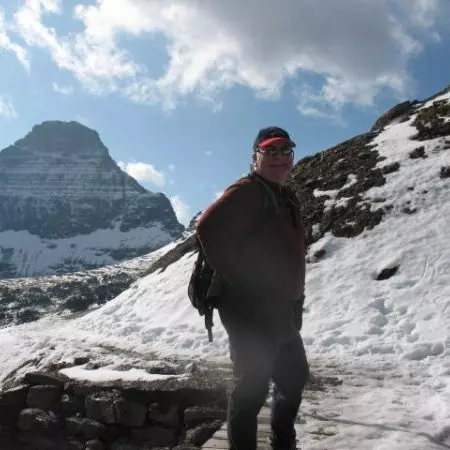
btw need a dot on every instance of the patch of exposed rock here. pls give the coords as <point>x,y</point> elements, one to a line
<point>28,299</point>
<point>330,187</point>
<point>400,112</point>
<point>433,122</point>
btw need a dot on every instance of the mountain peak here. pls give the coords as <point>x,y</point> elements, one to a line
<point>63,194</point>
<point>63,138</point>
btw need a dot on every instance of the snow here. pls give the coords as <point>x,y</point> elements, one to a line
<point>33,255</point>
<point>388,340</point>
<point>440,98</point>
<point>79,373</point>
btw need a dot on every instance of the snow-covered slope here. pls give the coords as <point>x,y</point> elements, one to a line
<point>66,205</point>
<point>378,301</point>
<point>31,298</point>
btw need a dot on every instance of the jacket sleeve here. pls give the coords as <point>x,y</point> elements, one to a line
<point>222,229</point>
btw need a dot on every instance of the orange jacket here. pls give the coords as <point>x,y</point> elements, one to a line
<point>260,256</point>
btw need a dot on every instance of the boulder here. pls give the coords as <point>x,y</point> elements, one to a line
<point>37,421</point>
<point>71,405</point>
<point>107,407</point>
<point>164,415</point>
<point>134,415</point>
<point>41,378</point>
<point>44,397</point>
<point>94,445</point>
<point>88,428</point>
<point>37,441</point>
<point>196,415</point>
<point>199,435</point>
<point>417,153</point>
<point>445,172</point>
<point>402,111</point>
<point>14,398</point>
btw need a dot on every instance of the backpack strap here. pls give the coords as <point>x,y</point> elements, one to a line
<point>269,200</point>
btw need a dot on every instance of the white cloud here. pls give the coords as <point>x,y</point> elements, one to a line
<point>7,108</point>
<point>143,172</point>
<point>182,210</point>
<point>6,43</point>
<point>208,153</point>
<point>91,56</point>
<point>421,13</point>
<point>64,90</point>
<point>357,48</point>
<point>171,167</point>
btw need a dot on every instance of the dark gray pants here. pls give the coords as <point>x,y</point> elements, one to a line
<point>258,357</point>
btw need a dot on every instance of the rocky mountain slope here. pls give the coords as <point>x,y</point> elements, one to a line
<point>65,205</point>
<point>332,185</point>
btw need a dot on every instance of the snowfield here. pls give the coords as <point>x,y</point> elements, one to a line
<point>388,340</point>
<point>33,255</point>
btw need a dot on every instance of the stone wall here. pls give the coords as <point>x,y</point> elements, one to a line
<point>50,412</point>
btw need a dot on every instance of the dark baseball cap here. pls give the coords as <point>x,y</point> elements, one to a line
<point>269,135</point>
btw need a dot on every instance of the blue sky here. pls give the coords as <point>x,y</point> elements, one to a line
<point>178,89</point>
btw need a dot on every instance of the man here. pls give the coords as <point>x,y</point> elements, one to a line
<point>261,257</point>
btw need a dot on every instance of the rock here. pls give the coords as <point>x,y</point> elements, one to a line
<point>41,378</point>
<point>155,436</point>
<point>11,402</point>
<point>351,168</point>
<point>402,111</point>
<point>390,168</point>
<point>80,360</point>
<point>88,428</point>
<point>199,435</point>
<point>37,421</point>
<point>134,415</point>
<point>319,254</point>
<point>445,172</point>
<point>408,210</point>
<point>94,445</point>
<point>173,255</point>
<point>86,388</point>
<point>164,415</point>
<point>75,445</point>
<point>8,440</point>
<point>106,407</point>
<point>125,444</point>
<point>71,405</point>
<point>163,369</point>
<point>196,415</point>
<point>36,441</point>
<point>28,315</point>
<point>432,122</point>
<point>387,273</point>
<point>44,397</point>
<point>185,447</point>
<point>419,152</point>
<point>14,398</point>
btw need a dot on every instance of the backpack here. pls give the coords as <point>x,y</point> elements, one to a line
<point>205,283</point>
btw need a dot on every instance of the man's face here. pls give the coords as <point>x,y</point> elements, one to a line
<point>275,168</point>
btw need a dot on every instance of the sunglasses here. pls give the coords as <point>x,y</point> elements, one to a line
<point>285,150</point>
